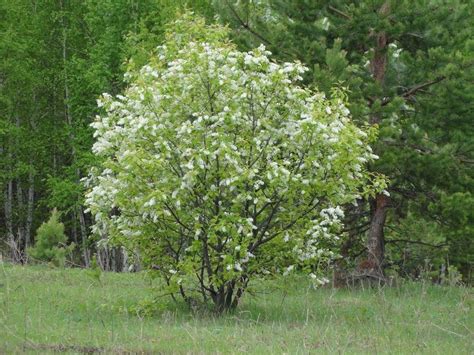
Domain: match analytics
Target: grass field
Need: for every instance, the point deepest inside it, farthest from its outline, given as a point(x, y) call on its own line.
point(46, 310)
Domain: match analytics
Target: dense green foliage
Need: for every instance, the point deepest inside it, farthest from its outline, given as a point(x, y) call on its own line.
point(70, 312)
point(57, 58)
point(406, 66)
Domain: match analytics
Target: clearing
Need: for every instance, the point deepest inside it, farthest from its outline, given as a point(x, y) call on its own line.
point(68, 310)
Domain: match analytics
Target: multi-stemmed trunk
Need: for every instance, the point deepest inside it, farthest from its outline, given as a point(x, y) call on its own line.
point(18, 232)
point(18, 225)
point(227, 297)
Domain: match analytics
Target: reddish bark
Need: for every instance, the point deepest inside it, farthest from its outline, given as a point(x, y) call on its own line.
point(375, 241)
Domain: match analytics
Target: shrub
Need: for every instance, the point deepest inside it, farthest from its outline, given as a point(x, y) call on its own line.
point(50, 242)
point(217, 166)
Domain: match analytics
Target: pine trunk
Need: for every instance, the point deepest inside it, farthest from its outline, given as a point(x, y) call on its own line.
point(375, 241)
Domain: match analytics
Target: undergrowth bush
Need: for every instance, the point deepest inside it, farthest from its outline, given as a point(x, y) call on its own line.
point(50, 242)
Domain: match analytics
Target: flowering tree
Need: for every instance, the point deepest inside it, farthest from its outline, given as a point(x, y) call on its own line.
point(217, 166)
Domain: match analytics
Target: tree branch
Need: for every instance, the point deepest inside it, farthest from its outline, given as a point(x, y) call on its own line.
point(416, 242)
point(176, 218)
point(339, 12)
point(245, 25)
point(416, 88)
point(412, 91)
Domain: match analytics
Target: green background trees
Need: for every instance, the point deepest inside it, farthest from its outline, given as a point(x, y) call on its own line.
point(57, 58)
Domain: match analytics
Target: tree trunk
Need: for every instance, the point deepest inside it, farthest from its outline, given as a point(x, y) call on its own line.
point(228, 296)
point(30, 201)
point(29, 208)
point(375, 240)
point(20, 242)
point(340, 268)
point(352, 223)
point(83, 228)
point(223, 300)
point(20, 226)
point(68, 114)
point(124, 259)
point(9, 222)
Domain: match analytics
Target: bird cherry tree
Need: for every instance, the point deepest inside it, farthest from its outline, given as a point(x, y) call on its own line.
point(217, 166)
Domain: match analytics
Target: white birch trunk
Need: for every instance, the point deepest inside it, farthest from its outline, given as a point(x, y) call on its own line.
point(29, 208)
point(9, 221)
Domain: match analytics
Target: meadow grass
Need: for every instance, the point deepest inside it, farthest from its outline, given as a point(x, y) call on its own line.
point(44, 310)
